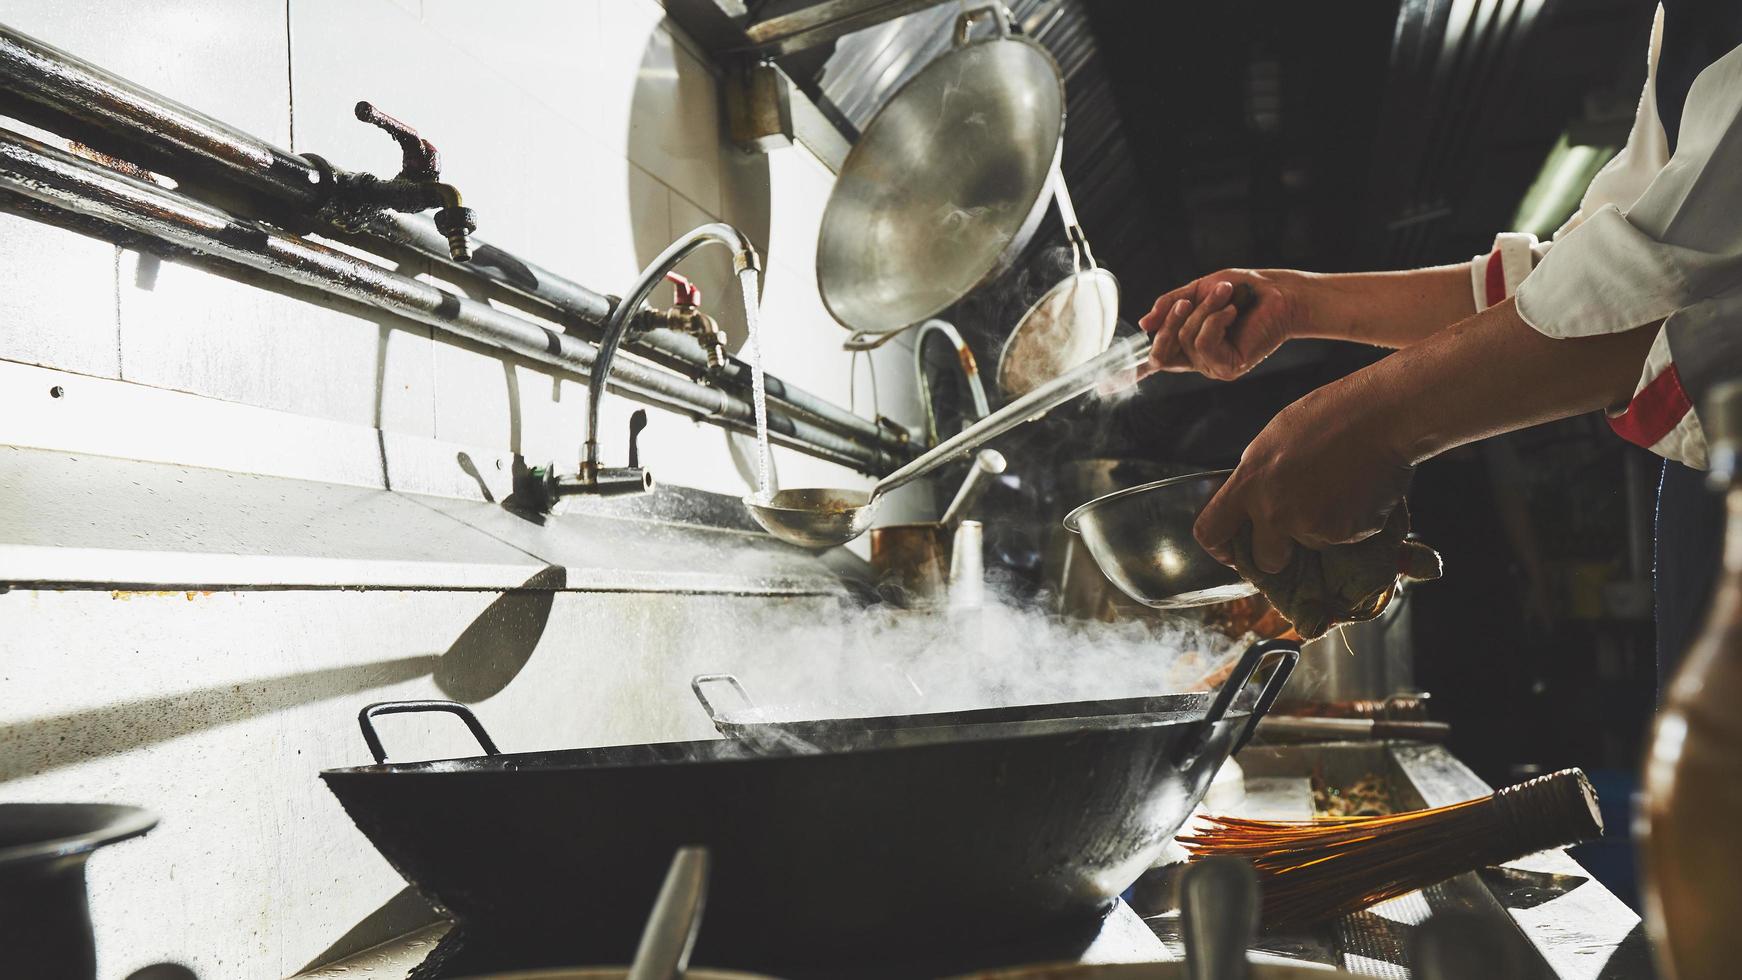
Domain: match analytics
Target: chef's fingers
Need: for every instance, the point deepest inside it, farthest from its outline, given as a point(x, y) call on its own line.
point(1218, 522)
point(1271, 549)
point(1214, 302)
point(1164, 352)
point(1211, 348)
point(1152, 321)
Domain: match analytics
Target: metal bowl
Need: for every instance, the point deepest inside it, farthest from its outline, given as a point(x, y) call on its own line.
point(1142, 540)
point(947, 183)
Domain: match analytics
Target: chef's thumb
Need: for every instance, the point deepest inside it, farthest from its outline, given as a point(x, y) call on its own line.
point(1271, 551)
point(1216, 525)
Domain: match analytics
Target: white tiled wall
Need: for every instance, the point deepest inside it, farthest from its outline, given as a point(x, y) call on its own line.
point(585, 134)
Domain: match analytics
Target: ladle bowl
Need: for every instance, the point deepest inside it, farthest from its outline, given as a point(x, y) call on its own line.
point(818, 517)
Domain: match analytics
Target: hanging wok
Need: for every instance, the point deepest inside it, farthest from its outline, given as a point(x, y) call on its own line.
point(947, 183)
point(967, 837)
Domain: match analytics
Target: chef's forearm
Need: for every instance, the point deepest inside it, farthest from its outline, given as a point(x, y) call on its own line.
point(1488, 374)
point(1386, 309)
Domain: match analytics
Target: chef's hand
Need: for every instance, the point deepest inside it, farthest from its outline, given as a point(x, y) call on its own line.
point(1197, 328)
point(1323, 472)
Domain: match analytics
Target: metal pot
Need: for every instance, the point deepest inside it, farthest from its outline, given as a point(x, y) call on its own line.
point(912, 561)
point(45, 921)
point(816, 856)
point(947, 183)
point(1142, 540)
point(1373, 660)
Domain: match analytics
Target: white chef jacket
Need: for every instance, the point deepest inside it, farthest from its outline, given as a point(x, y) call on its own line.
point(1657, 237)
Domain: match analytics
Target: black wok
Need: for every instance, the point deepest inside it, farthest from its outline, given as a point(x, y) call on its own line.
point(817, 856)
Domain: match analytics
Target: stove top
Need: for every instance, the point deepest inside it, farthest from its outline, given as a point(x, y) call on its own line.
point(440, 952)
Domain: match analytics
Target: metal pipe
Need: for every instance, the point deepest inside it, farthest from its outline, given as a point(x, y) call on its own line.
point(744, 258)
point(69, 86)
point(32, 170)
point(574, 305)
point(47, 86)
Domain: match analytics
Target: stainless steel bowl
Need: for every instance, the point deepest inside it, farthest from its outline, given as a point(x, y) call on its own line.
point(947, 183)
point(1142, 540)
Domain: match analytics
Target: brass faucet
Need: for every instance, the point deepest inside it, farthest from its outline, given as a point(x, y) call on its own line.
point(357, 198)
point(685, 316)
point(592, 478)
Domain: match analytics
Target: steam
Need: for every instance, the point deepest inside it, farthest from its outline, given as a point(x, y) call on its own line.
point(852, 661)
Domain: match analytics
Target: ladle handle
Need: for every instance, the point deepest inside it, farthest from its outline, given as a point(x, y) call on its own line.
point(1124, 355)
point(988, 464)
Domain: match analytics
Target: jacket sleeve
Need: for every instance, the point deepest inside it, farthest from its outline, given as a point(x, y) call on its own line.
point(1498, 273)
point(1673, 255)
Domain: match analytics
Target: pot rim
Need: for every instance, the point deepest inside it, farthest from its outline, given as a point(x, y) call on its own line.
point(1073, 520)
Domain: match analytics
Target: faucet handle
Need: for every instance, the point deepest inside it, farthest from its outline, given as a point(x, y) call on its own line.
point(419, 159)
point(685, 292)
point(637, 422)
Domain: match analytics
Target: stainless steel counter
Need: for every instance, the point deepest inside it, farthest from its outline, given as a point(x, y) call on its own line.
point(1577, 929)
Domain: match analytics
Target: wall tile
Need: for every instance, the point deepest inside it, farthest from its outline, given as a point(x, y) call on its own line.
point(661, 101)
point(226, 58)
point(625, 220)
point(191, 330)
point(539, 46)
point(57, 307)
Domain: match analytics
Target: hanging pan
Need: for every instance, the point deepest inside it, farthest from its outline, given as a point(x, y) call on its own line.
point(946, 184)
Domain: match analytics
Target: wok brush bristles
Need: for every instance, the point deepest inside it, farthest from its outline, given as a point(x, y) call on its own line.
point(1312, 870)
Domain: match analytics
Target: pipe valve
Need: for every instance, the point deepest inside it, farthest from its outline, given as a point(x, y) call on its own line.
point(594, 480)
point(686, 317)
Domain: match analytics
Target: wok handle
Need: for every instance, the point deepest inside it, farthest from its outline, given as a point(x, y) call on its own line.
point(366, 721)
point(996, 11)
point(698, 682)
point(1286, 653)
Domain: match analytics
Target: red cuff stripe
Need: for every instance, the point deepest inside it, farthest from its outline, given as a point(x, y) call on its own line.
point(1658, 408)
point(1496, 278)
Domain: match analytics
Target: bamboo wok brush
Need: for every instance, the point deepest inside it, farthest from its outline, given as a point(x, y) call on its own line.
point(1312, 870)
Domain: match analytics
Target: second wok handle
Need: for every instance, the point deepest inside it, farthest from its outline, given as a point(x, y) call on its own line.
point(366, 721)
point(1286, 653)
point(700, 681)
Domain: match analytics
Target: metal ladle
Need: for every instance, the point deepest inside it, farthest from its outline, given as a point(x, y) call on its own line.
point(826, 517)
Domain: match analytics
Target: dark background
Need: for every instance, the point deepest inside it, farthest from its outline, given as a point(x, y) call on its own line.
point(1358, 135)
